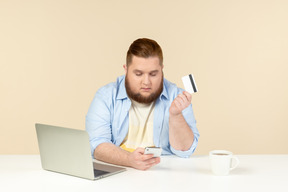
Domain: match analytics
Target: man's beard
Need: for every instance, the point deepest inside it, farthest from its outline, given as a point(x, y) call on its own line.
point(140, 98)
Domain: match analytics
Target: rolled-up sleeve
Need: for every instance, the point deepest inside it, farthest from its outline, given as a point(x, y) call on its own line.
point(189, 152)
point(98, 121)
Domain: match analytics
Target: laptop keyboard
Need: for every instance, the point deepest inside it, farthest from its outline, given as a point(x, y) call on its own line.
point(99, 172)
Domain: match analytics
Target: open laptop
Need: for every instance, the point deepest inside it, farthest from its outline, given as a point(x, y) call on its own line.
point(67, 151)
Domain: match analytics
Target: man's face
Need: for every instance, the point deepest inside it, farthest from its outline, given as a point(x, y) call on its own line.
point(144, 79)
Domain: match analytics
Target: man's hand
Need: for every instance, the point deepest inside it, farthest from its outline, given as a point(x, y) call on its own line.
point(180, 103)
point(139, 160)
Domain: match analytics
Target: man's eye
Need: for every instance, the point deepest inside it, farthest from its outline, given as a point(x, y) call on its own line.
point(138, 74)
point(153, 74)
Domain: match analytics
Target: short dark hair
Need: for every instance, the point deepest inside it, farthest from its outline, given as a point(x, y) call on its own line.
point(145, 48)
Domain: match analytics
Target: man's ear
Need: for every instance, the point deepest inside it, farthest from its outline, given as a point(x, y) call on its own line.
point(125, 68)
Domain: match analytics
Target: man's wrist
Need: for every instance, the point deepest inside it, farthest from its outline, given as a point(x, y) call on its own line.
point(175, 115)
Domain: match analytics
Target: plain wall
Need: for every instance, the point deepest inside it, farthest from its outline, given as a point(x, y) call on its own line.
point(54, 55)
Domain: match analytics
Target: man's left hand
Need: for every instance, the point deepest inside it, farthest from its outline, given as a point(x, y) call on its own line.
point(181, 102)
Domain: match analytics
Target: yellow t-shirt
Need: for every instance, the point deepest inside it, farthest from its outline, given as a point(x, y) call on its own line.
point(140, 133)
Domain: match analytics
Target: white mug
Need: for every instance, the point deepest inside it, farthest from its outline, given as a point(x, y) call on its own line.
point(221, 162)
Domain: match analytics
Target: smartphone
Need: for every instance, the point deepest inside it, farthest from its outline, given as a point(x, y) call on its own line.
point(156, 151)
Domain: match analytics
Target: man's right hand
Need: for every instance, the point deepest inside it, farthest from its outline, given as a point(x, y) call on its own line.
point(110, 153)
point(138, 160)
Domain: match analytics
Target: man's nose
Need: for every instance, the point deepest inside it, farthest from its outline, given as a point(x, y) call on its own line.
point(146, 80)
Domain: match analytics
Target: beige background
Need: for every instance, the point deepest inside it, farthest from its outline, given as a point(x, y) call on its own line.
point(56, 54)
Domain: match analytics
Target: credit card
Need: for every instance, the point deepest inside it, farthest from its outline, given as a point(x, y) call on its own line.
point(189, 84)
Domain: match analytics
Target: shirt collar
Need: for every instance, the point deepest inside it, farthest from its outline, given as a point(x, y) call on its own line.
point(164, 93)
point(122, 94)
point(121, 88)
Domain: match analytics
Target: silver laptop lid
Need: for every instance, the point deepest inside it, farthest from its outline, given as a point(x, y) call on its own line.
point(65, 150)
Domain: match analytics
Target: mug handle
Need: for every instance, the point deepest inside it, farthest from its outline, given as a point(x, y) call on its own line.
point(237, 162)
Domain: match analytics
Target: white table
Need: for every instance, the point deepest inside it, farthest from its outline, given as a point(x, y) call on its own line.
point(255, 173)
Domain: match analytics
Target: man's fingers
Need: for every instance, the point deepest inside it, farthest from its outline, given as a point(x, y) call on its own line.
point(140, 153)
point(184, 98)
point(177, 103)
point(153, 161)
point(188, 95)
point(181, 100)
point(147, 157)
point(139, 150)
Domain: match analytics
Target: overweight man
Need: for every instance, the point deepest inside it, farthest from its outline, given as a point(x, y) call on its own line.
point(141, 109)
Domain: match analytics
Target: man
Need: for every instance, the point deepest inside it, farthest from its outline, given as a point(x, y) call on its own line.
point(141, 109)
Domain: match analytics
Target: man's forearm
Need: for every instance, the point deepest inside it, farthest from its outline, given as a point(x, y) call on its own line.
point(110, 153)
point(181, 136)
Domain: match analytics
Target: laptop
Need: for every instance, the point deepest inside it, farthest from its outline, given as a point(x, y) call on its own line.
point(67, 151)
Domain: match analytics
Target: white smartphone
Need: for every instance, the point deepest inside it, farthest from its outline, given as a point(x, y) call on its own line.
point(156, 151)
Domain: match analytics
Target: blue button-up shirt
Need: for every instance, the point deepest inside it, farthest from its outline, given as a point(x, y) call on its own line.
point(107, 119)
